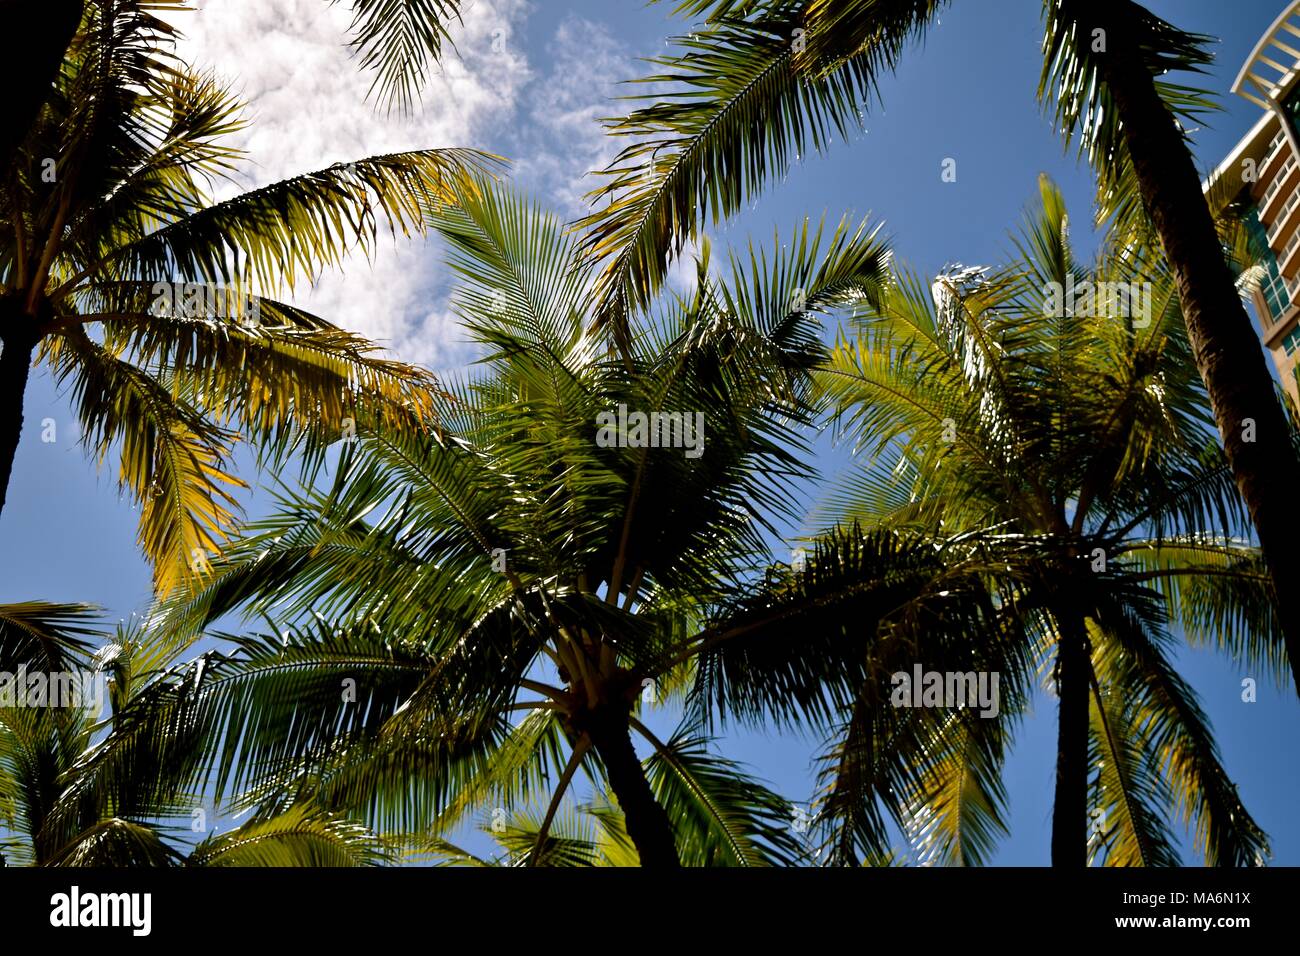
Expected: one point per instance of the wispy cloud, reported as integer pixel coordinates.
(561, 139)
(308, 109)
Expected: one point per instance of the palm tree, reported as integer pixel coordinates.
(759, 82)
(397, 39)
(146, 298)
(476, 615)
(720, 815)
(1072, 431)
(465, 622)
(48, 819)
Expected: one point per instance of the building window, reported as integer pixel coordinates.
(1291, 342)
(1271, 286)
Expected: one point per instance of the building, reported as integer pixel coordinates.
(1263, 175)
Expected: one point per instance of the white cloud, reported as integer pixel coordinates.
(563, 140)
(309, 108)
(308, 97)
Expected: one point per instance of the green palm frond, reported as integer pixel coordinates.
(1176, 734)
(298, 836)
(570, 839)
(399, 40)
(172, 460)
(293, 227)
(1128, 827)
(1221, 593)
(192, 723)
(521, 281)
(721, 816)
(118, 843)
(736, 113)
(959, 811)
(446, 853)
(281, 375)
(46, 636)
(517, 772)
(37, 746)
(864, 601)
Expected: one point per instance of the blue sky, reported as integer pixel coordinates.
(532, 80)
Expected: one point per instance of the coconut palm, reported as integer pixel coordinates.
(760, 82)
(1075, 427)
(47, 819)
(152, 303)
(470, 619)
(464, 624)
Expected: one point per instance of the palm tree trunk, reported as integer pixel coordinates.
(1228, 352)
(1070, 805)
(36, 35)
(19, 342)
(647, 823)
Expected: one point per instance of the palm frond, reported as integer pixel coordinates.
(731, 111)
(297, 837)
(721, 816)
(400, 40)
(46, 636)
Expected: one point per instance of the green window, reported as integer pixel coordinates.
(1271, 287)
(1291, 341)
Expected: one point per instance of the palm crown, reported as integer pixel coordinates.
(758, 83)
(149, 300)
(50, 819)
(512, 552)
(1061, 421)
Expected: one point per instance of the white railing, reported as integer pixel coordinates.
(1282, 215)
(1290, 247)
(1275, 144)
(1276, 183)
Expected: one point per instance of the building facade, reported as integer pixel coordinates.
(1262, 175)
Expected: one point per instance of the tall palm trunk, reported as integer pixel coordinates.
(647, 823)
(36, 34)
(18, 337)
(1070, 804)
(1228, 353)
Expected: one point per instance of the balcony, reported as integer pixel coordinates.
(1288, 219)
(1278, 192)
(1275, 158)
(1289, 261)
(1277, 330)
